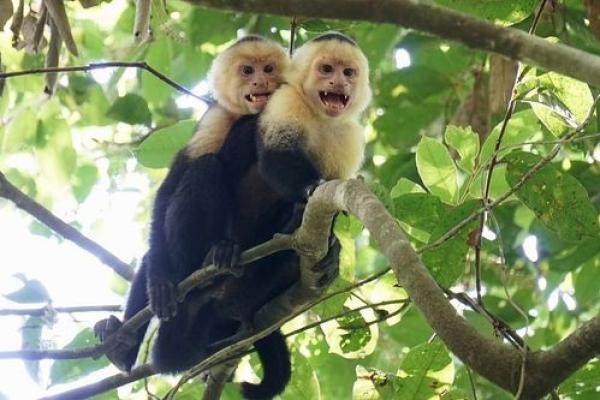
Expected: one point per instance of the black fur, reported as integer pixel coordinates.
(245, 193)
(249, 38)
(275, 359)
(340, 37)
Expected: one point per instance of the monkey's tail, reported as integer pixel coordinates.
(277, 368)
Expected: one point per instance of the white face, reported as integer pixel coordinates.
(259, 81)
(331, 85)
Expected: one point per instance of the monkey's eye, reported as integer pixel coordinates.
(247, 69)
(268, 68)
(349, 72)
(326, 68)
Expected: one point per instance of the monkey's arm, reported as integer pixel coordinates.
(286, 166)
(161, 275)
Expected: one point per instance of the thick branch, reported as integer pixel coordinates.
(424, 15)
(42, 214)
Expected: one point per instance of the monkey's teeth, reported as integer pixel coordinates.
(325, 93)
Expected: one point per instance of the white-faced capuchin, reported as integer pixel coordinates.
(309, 132)
(242, 79)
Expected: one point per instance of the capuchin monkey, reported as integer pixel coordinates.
(308, 132)
(242, 78)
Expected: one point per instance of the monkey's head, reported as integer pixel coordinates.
(244, 76)
(333, 75)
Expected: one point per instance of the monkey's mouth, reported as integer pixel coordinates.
(258, 99)
(334, 103)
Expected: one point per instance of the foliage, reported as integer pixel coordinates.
(99, 129)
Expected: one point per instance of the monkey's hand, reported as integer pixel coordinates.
(226, 255)
(124, 341)
(162, 294)
(329, 267)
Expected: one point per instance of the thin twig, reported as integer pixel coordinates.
(293, 29)
(471, 382)
(488, 181)
(40, 311)
(109, 64)
(42, 214)
(348, 312)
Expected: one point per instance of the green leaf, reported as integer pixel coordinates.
(383, 194)
(437, 170)
(522, 127)
(357, 335)
(348, 224)
(404, 186)
(20, 132)
(131, 109)
(83, 181)
(425, 358)
(585, 381)
(447, 261)
(31, 336)
(304, 383)
(159, 149)
(587, 286)
(63, 371)
(347, 256)
(160, 56)
(466, 143)
(33, 291)
(566, 105)
(420, 214)
(556, 198)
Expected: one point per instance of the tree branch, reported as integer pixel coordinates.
(109, 64)
(498, 362)
(426, 16)
(42, 214)
(40, 311)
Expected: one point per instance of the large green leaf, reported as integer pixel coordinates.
(522, 127)
(131, 109)
(563, 102)
(556, 198)
(447, 261)
(437, 170)
(584, 383)
(304, 383)
(420, 214)
(63, 371)
(159, 149)
(159, 56)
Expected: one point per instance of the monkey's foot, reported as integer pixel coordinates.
(163, 298)
(325, 271)
(125, 341)
(226, 255)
